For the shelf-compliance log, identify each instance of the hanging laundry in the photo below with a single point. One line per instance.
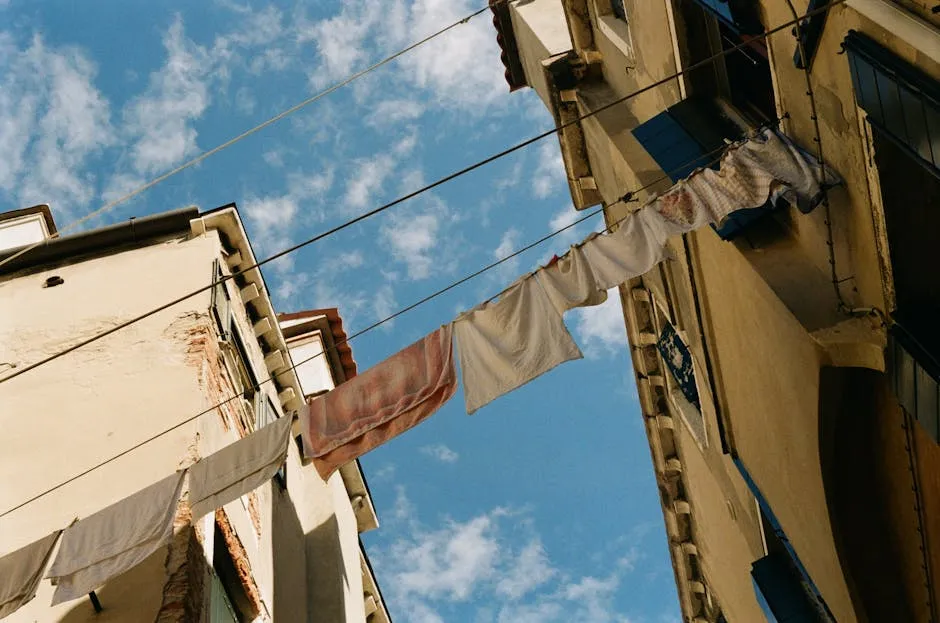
(569, 282)
(506, 344)
(751, 174)
(637, 245)
(238, 468)
(21, 571)
(381, 403)
(115, 539)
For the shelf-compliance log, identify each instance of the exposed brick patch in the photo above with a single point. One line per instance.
(187, 572)
(204, 353)
(240, 558)
(254, 513)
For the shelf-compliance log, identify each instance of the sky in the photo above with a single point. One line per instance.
(541, 506)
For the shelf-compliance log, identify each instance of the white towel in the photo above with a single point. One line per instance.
(637, 245)
(115, 539)
(21, 571)
(569, 282)
(505, 344)
(238, 468)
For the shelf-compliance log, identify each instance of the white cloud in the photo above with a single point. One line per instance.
(384, 304)
(601, 328)
(473, 565)
(448, 67)
(449, 562)
(367, 180)
(441, 453)
(53, 122)
(412, 238)
(270, 223)
(530, 570)
(161, 120)
(508, 271)
(549, 175)
(389, 112)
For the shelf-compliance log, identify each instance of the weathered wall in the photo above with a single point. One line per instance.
(90, 405)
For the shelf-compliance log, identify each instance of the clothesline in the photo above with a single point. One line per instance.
(503, 345)
(121, 536)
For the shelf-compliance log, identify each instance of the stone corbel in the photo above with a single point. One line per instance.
(854, 343)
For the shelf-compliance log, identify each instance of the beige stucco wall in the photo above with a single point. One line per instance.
(541, 31)
(83, 408)
(758, 306)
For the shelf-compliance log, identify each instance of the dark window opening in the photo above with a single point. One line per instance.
(750, 84)
(742, 78)
(618, 9)
(230, 602)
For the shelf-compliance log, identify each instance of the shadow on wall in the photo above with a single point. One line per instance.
(130, 597)
(327, 583)
(870, 497)
(290, 567)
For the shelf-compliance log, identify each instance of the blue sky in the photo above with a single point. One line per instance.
(540, 507)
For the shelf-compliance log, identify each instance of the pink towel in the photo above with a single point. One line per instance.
(381, 403)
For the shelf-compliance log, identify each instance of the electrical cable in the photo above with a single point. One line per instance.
(194, 161)
(411, 195)
(630, 196)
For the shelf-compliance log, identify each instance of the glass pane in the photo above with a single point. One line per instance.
(893, 114)
(916, 123)
(866, 89)
(933, 130)
(618, 9)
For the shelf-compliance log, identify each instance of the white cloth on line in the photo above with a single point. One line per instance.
(569, 282)
(115, 539)
(238, 468)
(21, 571)
(506, 344)
(637, 245)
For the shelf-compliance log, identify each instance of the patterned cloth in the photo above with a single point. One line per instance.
(381, 403)
(751, 173)
(679, 361)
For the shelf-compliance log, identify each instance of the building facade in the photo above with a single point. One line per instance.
(287, 551)
(802, 483)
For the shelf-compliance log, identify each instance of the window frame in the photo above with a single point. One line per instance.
(615, 25)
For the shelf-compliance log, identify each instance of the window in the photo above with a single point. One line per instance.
(617, 9)
(613, 23)
(899, 99)
(914, 375)
(229, 600)
(221, 302)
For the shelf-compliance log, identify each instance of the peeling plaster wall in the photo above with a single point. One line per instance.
(102, 399)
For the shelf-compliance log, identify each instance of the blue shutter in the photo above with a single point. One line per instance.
(670, 145)
(899, 98)
(779, 591)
